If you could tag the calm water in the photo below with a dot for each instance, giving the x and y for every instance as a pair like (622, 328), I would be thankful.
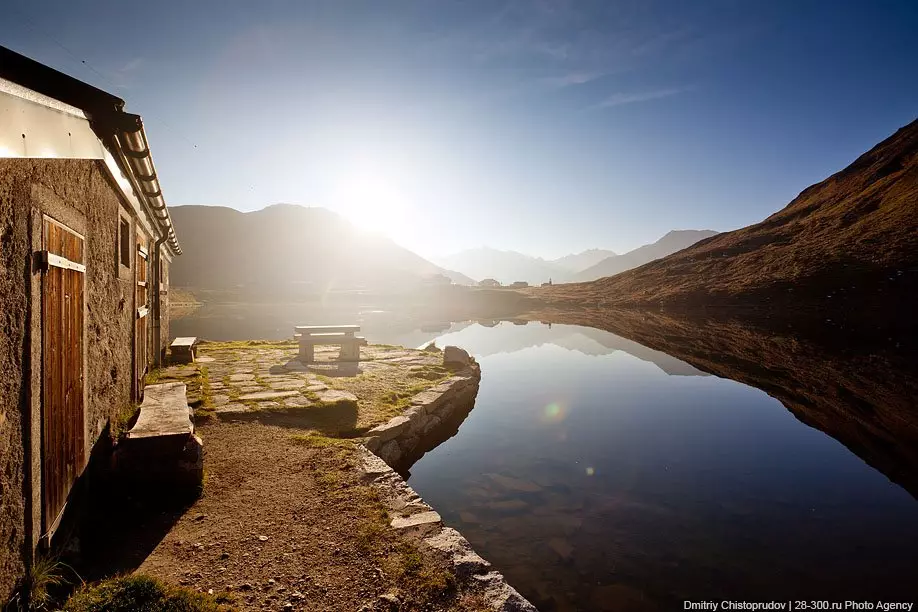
(597, 474)
(242, 321)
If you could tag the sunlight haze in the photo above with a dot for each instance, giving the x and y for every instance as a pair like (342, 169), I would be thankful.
(542, 127)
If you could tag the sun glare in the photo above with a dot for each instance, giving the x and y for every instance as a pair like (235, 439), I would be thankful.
(373, 201)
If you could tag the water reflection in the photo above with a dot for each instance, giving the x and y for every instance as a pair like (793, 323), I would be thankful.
(598, 475)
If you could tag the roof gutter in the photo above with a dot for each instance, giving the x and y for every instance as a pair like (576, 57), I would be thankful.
(134, 153)
(121, 132)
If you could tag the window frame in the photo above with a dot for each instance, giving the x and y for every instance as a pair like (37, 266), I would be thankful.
(124, 242)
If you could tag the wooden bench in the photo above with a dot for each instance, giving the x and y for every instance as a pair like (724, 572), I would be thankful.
(183, 349)
(341, 335)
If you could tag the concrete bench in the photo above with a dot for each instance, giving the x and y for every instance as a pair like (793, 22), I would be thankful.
(164, 412)
(183, 349)
(160, 455)
(341, 335)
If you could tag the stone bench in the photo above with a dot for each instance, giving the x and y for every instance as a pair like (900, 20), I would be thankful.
(160, 452)
(183, 349)
(339, 335)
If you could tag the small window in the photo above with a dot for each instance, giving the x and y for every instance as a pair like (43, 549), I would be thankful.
(124, 235)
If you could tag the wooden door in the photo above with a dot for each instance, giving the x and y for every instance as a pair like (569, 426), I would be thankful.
(63, 443)
(141, 351)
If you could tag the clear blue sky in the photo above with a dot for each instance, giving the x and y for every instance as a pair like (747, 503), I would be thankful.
(542, 126)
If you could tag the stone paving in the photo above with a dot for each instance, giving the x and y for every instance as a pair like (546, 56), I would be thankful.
(251, 378)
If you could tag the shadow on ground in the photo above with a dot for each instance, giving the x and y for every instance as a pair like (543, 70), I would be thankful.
(112, 525)
(338, 419)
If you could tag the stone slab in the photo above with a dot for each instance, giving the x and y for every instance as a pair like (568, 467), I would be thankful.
(390, 430)
(231, 408)
(416, 520)
(333, 396)
(164, 412)
(266, 395)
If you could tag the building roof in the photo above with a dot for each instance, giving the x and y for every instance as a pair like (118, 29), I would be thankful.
(121, 132)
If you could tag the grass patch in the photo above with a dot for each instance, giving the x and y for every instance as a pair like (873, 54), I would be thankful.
(44, 579)
(385, 392)
(122, 421)
(316, 440)
(207, 395)
(154, 376)
(425, 582)
(237, 345)
(142, 594)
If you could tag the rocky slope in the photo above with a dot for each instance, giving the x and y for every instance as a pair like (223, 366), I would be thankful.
(846, 245)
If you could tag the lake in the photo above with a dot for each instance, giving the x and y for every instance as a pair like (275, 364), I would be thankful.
(275, 321)
(599, 474)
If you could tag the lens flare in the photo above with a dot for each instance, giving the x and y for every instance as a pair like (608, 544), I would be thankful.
(590, 471)
(553, 413)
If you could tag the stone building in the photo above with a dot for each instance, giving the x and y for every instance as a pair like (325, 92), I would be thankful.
(84, 284)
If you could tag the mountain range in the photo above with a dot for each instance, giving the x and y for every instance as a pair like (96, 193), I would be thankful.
(503, 266)
(510, 266)
(845, 246)
(672, 242)
(288, 248)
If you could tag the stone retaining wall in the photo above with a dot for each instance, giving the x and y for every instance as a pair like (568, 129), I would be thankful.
(433, 416)
(415, 520)
(407, 436)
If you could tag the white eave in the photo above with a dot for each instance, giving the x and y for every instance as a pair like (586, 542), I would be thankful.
(33, 125)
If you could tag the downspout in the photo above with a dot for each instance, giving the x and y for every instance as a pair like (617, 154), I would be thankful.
(157, 301)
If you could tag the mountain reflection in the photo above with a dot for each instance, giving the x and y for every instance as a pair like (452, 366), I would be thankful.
(862, 396)
(493, 337)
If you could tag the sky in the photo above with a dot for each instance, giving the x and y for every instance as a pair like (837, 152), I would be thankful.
(542, 126)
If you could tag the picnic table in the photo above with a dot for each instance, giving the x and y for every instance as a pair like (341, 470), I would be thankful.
(340, 335)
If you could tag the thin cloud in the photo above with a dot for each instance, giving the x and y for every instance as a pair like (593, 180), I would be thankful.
(132, 65)
(573, 78)
(620, 98)
(123, 77)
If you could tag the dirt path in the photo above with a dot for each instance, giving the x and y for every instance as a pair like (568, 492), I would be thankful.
(285, 524)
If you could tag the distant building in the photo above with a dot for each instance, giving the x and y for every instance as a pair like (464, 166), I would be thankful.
(437, 279)
(519, 285)
(85, 299)
(489, 282)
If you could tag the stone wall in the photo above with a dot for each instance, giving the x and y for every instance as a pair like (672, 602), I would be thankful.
(77, 193)
(406, 437)
(15, 266)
